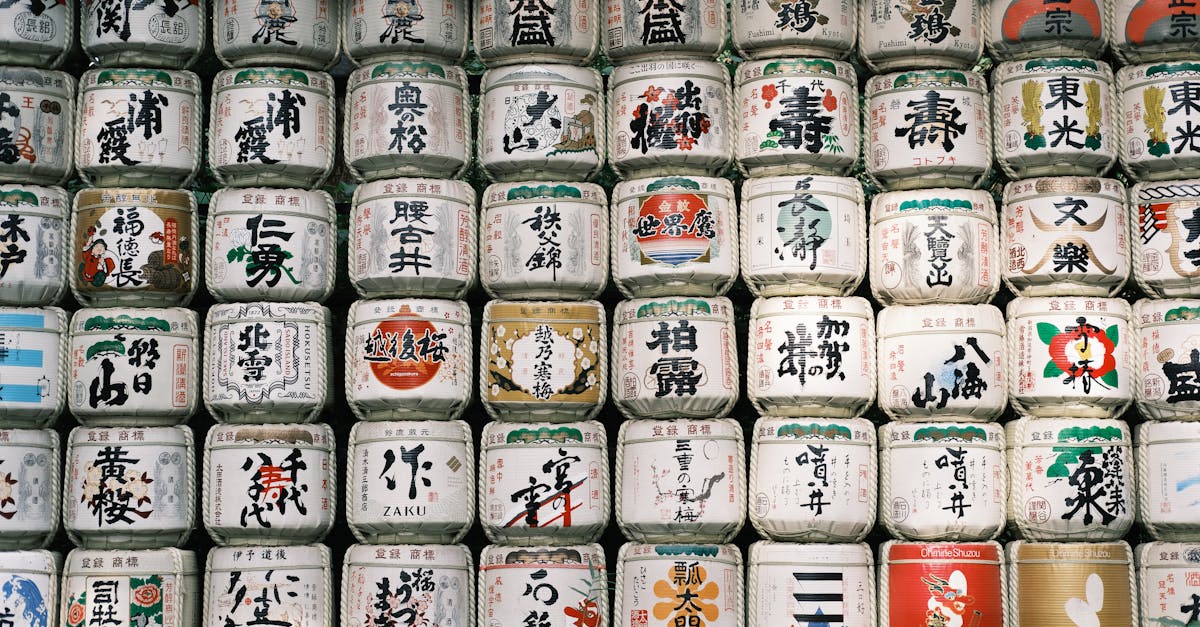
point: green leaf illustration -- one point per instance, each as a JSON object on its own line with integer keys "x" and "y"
{"x": 1051, "y": 370}
{"x": 1046, "y": 332}
{"x": 1110, "y": 378}
{"x": 1111, "y": 332}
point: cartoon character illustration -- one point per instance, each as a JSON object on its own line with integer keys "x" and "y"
{"x": 1085, "y": 613}
{"x": 97, "y": 261}
{"x": 948, "y": 600}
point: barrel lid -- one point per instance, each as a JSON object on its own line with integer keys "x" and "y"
{"x": 973, "y": 434}
{"x": 1067, "y": 306}
{"x": 957, "y": 318}
{"x": 924, "y": 79}
{"x": 153, "y": 561}
{"x": 691, "y": 307}
{"x": 233, "y": 313}
{"x": 365, "y": 432}
{"x": 47, "y": 438}
{"x": 532, "y": 74}
{"x": 1168, "y": 555}
{"x": 1093, "y": 552}
{"x": 294, "y": 558}
{"x": 49, "y": 319}
{"x": 813, "y": 306}
{"x": 456, "y": 556}
{"x": 497, "y": 434}
{"x": 1155, "y": 432}
{"x": 129, "y": 436}
{"x": 1066, "y": 431}
{"x": 442, "y": 310}
{"x": 35, "y": 561}
{"x": 314, "y": 204}
{"x": 766, "y": 552}
{"x": 579, "y": 554}
{"x": 153, "y": 320}
{"x": 311, "y": 436}
{"x": 921, "y": 202}
{"x": 638, "y": 431}
{"x": 856, "y": 430}
{"x": 537, "y": 191}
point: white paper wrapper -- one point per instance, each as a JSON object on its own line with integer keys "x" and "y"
{"x": 638, "y": 30}
{"x": 297, "y": 33}
{"x": 564, "y": 32}
{"x": 1159, "y": 136}
{"x": 372, "y": 33}
{"x": 32, "y": 579}
{"x": 34, "y": 368}
{"x": 1017, "y": 30}
{"x": 42, "y": 40}
{"x": 810, "y": 583}
{"x": 1166, "y": 334}
{"x": 794, "y": 29}
{"x": 909, "y": 36}
{"x": 1163, "y": 258}
{"x": 45, "y": 129}
{"x": 155, "y": 587}
{"x": 1167, "y": 577}
{"x": 170, "y": 35}
{"x": 32, "y": 480}
{"x": 1167, "y": 490}
{"x": 1144, "y": 32}
{"x": 651, "y": 576}
{"x": 291, "y": 584}
{"x": 37, "y": 269}
{"x": 558, "y": 583}
{"x": 438, "y": 581}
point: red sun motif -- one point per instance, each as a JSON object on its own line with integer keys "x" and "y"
{"x": 394, "y": 350}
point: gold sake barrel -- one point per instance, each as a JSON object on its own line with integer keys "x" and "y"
{"x": 298, "y": 33}
{"x": 1071, "y": 584}
{"x": 169, "y": 34}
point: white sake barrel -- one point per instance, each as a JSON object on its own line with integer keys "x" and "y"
{"x": 674, "y": 236}
{"x": 670, "y": 117}
{"x": 803, "y": 235}
{"x": 400, "y": 28}
{"x": 170, "y": 34}
{"x": 37, "y": 118}
{"x": 1074, "y": 583}
{"x": 1054, "y": 117}
{"x": 541, "y": 584}
{"x": 812, "y": 584}
{"x": 639, "y": 30}
{"x": 942, "y": 481}
{"x": 1167, "y": 487}
{"x": 674, "y": 358}
{"x": 133, "y": 246}
{"x": 1070, "y": 356}
{"x": 543, "y": 360}
{"x": 407, "y": 118}
{"x": 30, "y": 580}
{"x": 544, "y": 240}
{"x": 1167, "y": 367}
{"x": 115, "y": 375}
{"x": 942, "y": 583}
{"x": 1144, "y": 32}
{"x": 129, "y": 487}
{"x": 33, "y": 365}
{"x": 437, "y": 579}
{"x": 131, "y": 588}
{"x": 936, "y": 34}
{"x": 272, "y": 126}
{"x": 41, "y": 34}
{"x": 537, "y": 32}
{"x": 1162, "y": 141}
{"x": 33, "y": 264}
{"x": 543, "y": 119}
{"x": 1064, "y": 236}
{"x": 680, "y": 479}
{"x": 408, "y": 359}
{"x": 543, "y": 481}
{"x": 1165, "y": 263}
{"x": 297, "y": 33}
{"x": 652, "y": 579}
{"x": 292, "y": 585}
{"x": 1070, "y": 479}
{"x": 1167, "y": 581}
{"x": 413, "y": 237}
{"x": 270, "y": 244}
{"x": 410, "y": 481}
{"x": 801, "y": 28}
{"x": 960, "y": 376}
{"x": 811, "y": 356}
{"x": 1020, "y": 29}
{"x": 30, "y": 488}
{"x": 797, "y": 116}
{"x": 269, "y": 484}
{"x": 813, "y": 479}
{"x": 139, "y": 127}
{"x": 267, "y": 362}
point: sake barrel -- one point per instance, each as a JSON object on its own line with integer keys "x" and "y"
{"x": 425, "y": 472}
{"x": 37, "y": 34}
{"x": 942, "y": 362}
{"x": 401, "y": 28}
{"x": 646, "y": 29}
{"x": 437, "y": 580}
{"x": 942, "y": 583}
{"x": 942, "y": 481}
{"x": 670, "y": 117}
{"x": 1071, "y": 584}
{"x": 115, "y": 378}
{"x": 547, "y": 119}
{"x": 267, "y": 362}
{"x": 32, "y": 259}
{"x": 31, "y": 579}
{"x": 270, "y": 244}
{"x": 1070, "y": 479}
{"x": 1163, "y": 142}
{"x": 674, "y": 236}
{"x": 413, "y": 237}
{"x": 129, "y": 487}
{"x": 544, "y": 240}
{"x": 299, "y": 33}
{"x": 292, "y": 584}
{"x": 928, "y": 128}
{"x": 1069, "y": 356}
{"x": 1167, "y": 338}
{"x": 1167, "y": 575}
{"x": 813, "y": 479}
{"x": 934, "y": 34}
{"x": 272, "y": 126}
{"x": 680, "y": 479}
{"x": 810, "y": 584}
{"x": 407, "y": 118}
{"x": 1064, "y": 236}
{"x": 811, "y": 356}
{"x": 1054, "y": 117}
{"x": 1167, "y": 488}
{"x": 269, "y": 484}
{"x": 170, "y": 34}
{"x": 31, "y": 488}
{"x": 651, "y": 576}
{"x": 133, "y": 588}
{"x": 1143, "y": 32}
{"x": 408, "y": 359}
{"x": 531, "y": 31}
{"x": 674, "y": 358}
{"x": 133, "y": 246}
{"x": 37, "y": 115}
{"x": 802, "y": 28}
{"x": 1023, "y": 30}
{"x": 803, "y": 235}
{"x": 1164, "y": 260}
{"x": 797, "y": 116}
{"x": 951, "y": 233}
{"x": 543, "y": 481}
{"x": 33, "y": 365}
{"x": 535, "y": 583}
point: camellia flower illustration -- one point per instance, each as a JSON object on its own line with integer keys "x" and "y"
{"x": 686, "y": 597}
{"x": 146, "y": 595}
{"x": 76, "y": 614}
{"x": 1083, "y": 353}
